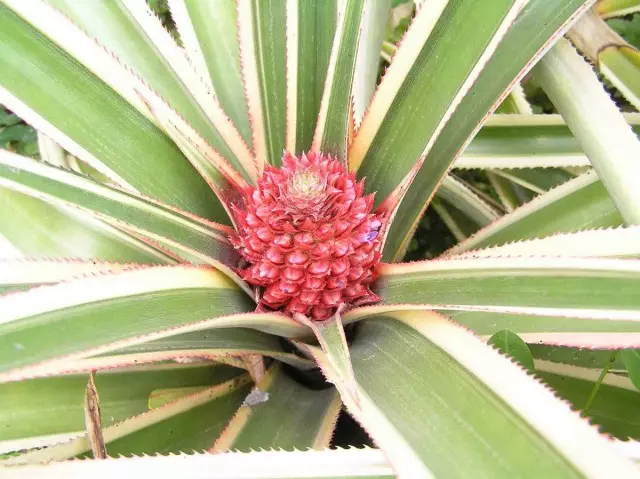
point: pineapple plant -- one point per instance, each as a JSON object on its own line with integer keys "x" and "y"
{"x": 203, "y": 273}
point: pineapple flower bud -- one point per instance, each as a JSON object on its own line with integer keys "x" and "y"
{"x": 309, "y": 237}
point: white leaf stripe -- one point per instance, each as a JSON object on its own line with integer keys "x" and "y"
{"x": 584, "y": 340}
{"x": 540, "y": 202}
{"x": 178, "y": 61}
{"x": 336, "y": 463}
{"x": 530, "y": 161}
{"x": 403, "y": 61}
{"x": 182, "y": 19}
{"x": 31, "y": 117}
{"x": 252, "y": 82}
{"x": 293, "y": 13}
{"x": 572, "y": 436}
{"x": 631, "y": 316}
{"x": 36, "y": 442}
{"x": 129, "y": 426}
{"x": 40, "y": 271}
{"x": 99, "y": 288}
{"x": 612, "y": 242}
{"x": 219, "y": 232}
{"x": 404, "y": 459}
{"x": 118, "y": 361}
{"x": 270, "y": 323}
{"x": 489, "y": 266}
{"x": 586, "y": 374}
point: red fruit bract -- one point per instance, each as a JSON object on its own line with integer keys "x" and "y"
{"x": 309, "y": 237}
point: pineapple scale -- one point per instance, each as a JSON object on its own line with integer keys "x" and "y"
{"x": 309, "y": 237}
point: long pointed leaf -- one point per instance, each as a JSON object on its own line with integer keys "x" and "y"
{"x": 131, "y": 31}
{"x": 530, "y": 35}
{"x": 156, "y": 430}
{"x": 327, "y": 464}
{"x": 310, "y": 31}
{"x": 423, "y": 358}
{"x": 263, "y": 59}
{"x": 527, "y": 141}
{"x": 209, "y": 32}
{"x": 41, "y": 229}
{"x": 582, "y": 203}
{"x": 281, "y": 414}
{"x": 103, "y": 310}
{"x": 59, "y": 96}
{"x": 396, "y": 124}
{"x": 49, "y": 406}
{"x": 605, "y": 136}
{"x": 206, "y": 241}
{"x": 612, "y": 242}
{"x": 332, "y": 131}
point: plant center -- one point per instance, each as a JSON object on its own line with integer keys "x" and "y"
{"x": 310, "y": 238}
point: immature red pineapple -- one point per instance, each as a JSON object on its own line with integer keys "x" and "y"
{"x": 309, "y": 237}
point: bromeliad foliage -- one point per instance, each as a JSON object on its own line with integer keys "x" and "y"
{"x": 227, "y": 201}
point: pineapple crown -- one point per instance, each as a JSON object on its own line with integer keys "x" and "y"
{"x": 309, "y": 237}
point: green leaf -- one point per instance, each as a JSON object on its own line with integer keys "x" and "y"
{"x": 538, "y": 180}
{"x": 541, "y": 300}
{"x": 511, "y": 345}
{"x": 421, "y": 358}
{"x": 336, "y": 109}
{"x": 209, "y": 32}
{"x": 537, "y": 24}
{"x": 47, "y": 406}
{"x": 331, "y": 336}
{"x": 136, "y": 37}
{"x": 6, "y": 118}
{"x": 262, "y": 34}
{"x": 576, "y": 356}
{"x": 519, "y": 282}
{"x": 374, "y": 24}
{"x": 605, "y": 136}
{"x": 413, "y": 103}
{"x": 621, "y": 242}
{"x": 460, "y": 225}
{"x": 171, "y": 428}
{"x": 82, "y": 317}
{"x": 621, "y": 66}
{"x": 579, "y": 204}
{"x": 280, "y": 413}
{"x": 507, "y": 192}
{"x": 17, "y": 133}
{"x": 467, "y": 200}
{"x": 616, "y": 8}
{"x": 631, "y": 358}
{"x": 37, "y": 228}
{"x": 615, "y": 59}
{"x": 217, "y": 344}
{"x": 207, "y": 242}
{"x": 311, "y": 27}
{"x": 616, "y": 407}
{"x": 194, "y": 427}
{"x": 527, "y": 141}
{"x": 89, "y": 119}
{"x": 328, "y": 464}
